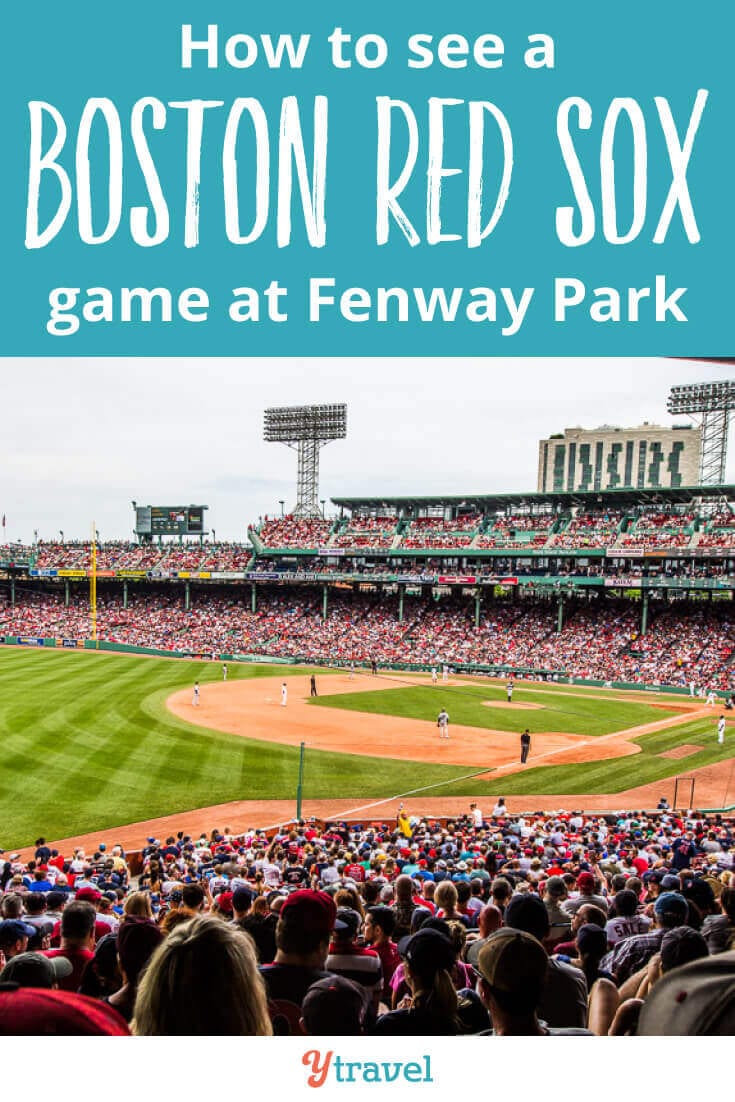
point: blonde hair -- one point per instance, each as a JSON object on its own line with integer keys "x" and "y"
{"x": 138, "y": 905}
{"x": 445, "y": 896}
{"x": 203, "y": 981}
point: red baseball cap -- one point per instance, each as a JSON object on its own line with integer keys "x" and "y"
{"x": 36, "y": 1011}
{"x": 585, "y": 880}
{"x": 224, "y": 902}
{"x": 88, "y": 895}
{"x": 317, "y": 911}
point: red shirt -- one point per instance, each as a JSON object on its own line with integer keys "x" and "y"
{"x": 79, "y": 959}
{"x": 390, "y": 958}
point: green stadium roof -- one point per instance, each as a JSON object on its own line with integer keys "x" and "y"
{"x": 623, "y": 498}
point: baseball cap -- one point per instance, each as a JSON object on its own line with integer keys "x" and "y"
{"x": 585, "y": 880}
{"x": 700, "y": 892}
{"x": 88, "y": 895}
{"x": 681, "y": 946}
{"x": 12, "y": 930}
{"x": 670, "y": 883}
{"x": 316, "y": 911}
{"x": 334, "y": 1006}
{"x": 224, "y": 902}
{"x": 428, "y": 952}
{"x": 696, "y": 999}
{"x": 514, "y": 964}
{"x": 26, "y": 1011}
{"x": 672, "y": 904}
{"x": 137, "y": 940}
{"x": 349, "y": 921}
{"x": 474, "y": 949}
{"x": 35, "y": 970}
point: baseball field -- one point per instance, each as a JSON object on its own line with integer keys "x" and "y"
{"x": 100, "y": 742}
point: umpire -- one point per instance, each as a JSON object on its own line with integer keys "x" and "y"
{"x": 525, "y": 746}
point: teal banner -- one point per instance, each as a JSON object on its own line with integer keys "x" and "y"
{"x": 465, "y": 180}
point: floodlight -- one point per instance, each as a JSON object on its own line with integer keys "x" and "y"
{"x": 710, "y": 403}
{"x": 306, "y": 429}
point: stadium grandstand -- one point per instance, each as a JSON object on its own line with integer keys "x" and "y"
{"x": 633, "y": 586}
{"x": 488, "y": 923}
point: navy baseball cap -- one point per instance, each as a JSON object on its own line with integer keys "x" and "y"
{"x": 12, "y": 929}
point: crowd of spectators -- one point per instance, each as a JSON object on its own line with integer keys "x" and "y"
{"x": 599, "y": 639}
{"x": 458, "y": 532}
{"x": 719, "y": 532}
{"x": 168, "y": 556}
{"x": 290, "y": 531}
{"x": 517, "y": 530}
{"x": 494, "y": 924}
{"x": 593, "y": 530}
{"x": 363, "y": 532}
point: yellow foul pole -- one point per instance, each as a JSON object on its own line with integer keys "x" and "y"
{"x": 93, "y": 585}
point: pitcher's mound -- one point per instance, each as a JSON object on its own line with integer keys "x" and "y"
{"x": 681, "y": 751}
{"x": 519, "y": 706}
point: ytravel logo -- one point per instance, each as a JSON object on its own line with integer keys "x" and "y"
{"x": 330, "y": 1067}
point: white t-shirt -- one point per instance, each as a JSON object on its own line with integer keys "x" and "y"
{"x": 618, "y": 929}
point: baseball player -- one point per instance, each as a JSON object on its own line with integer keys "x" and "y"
{"x": 442, "y": 722}
{"x": 434, "y": 677}
{"x": 721, "y": 730}
{"x": 312, "y": 685}
{"x": 352, "y": 671}
{"x": 711, "y": 698}
{"x": 509, "y": 692}
{"x": 284, "y": 694}
{"x": 224, "y": 671}
{"x": 195, "y": 699}
{"x": 445, "y": 672}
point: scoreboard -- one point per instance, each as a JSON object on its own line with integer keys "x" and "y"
{"x": 169, "y": 520}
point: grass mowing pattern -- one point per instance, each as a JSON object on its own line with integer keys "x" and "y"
{"x": 565, "y": 714}
{"x": 88, "y": 743}
{"x": 645, "y": 768}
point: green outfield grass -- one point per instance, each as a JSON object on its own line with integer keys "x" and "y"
{"x": 86, "y": 743}
{"x": 629, "y": 772}
{"x": 562, "y": 712}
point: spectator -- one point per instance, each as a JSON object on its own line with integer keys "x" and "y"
{"x": 137, "y": 940}
{"x": 35, "y": 970}
{"x": 633, "y": 953}
{"x": 335, "y": 1007}
{"x": 202, "y": 981}
{"x": 513, "y": 969}
{"x": 14, "y": 935}
{"x": 433, "y": 1007}
{"x": 28, "y": 1011}
{"x": 77, "y": 942}
{"x": 303, "y": 933}
{"x": 380, "y": 923}
{"x": 563, "y": 1001}
{"x": 718, "y": 930}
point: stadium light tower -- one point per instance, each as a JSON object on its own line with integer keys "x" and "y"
{"x": 306, "y": 429}
{"x": 709, "y": 404}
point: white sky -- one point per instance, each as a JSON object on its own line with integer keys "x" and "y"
{"x": 80, "y": 439}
